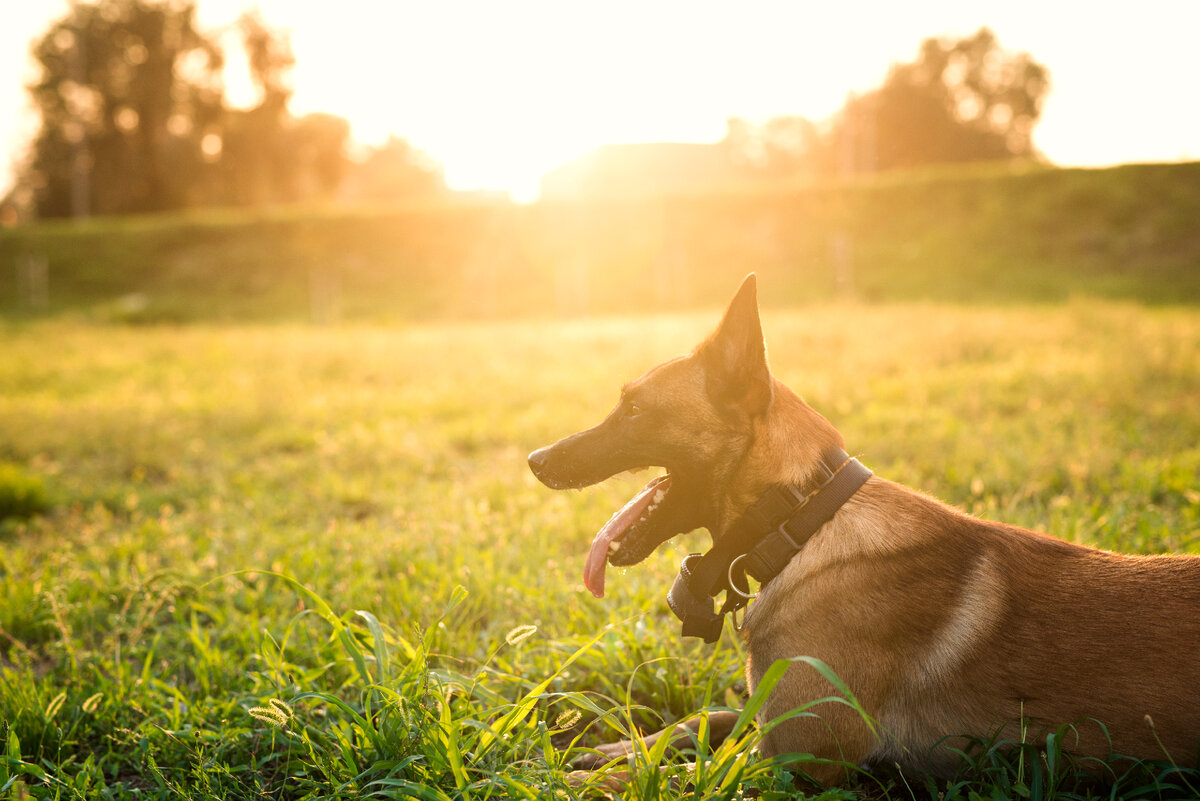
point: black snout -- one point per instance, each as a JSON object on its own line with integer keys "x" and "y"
{"x": 537, "y": 461}
{"x": 556, "y": 467}
{"x": 582, "y": 459}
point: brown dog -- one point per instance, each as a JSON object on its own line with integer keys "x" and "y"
{"x": 940, "y": 623}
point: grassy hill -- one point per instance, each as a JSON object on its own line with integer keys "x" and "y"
{"x": 980, "y": 235}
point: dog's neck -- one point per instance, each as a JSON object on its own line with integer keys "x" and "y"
{"x": 786, "y": 449}
{"x": 760, "y": 543}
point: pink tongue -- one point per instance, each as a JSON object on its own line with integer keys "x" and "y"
{"x": 614, "y": 529}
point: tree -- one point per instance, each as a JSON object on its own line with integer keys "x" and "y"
{"x": 395, "y": 171}
{"x": 127, "y": 89}
{"x": 256, "y": 160}
{"x": 781, "y": 146}
{"x": 134, "y": 117}
{"x": 318, "y": 142}
{"x": 964, "y": 100}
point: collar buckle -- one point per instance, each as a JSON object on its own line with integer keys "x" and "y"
{"x": 767, "y": 558}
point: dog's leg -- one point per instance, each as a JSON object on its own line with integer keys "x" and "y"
{"x": 832, "y": 732}
{"x": 682, "y": 735}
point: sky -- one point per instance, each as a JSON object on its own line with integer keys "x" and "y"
{"x": 500, "y": 92}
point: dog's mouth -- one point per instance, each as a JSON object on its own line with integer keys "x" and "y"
{"x": 632, "y": 533}
{"x": 670, "y": 504}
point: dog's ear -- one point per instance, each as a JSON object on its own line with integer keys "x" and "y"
{"x": 735, "y": 357}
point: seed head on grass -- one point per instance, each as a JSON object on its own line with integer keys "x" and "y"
{"x": 275, "y": 714}
{"x": 54, "y": 705}
{"x": 567, "y": 719}
{"x": 520, "y": 634}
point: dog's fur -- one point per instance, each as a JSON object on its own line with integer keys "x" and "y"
{"x": 942, "y": 624}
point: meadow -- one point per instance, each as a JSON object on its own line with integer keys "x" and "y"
{"x": 288, "y": 561}
{"x": 976, "y": 234}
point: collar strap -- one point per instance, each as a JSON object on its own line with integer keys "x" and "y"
{"x": 760, "y": 543}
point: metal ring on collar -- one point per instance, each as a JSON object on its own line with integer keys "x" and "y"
{"x": 729, "y": 575}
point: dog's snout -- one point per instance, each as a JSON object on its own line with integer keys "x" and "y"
{"x": 537, "y": 461}
{"x": 579, "y": 460}
{"x": 547, "y": 464}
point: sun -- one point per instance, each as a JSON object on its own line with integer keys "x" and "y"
{"x": 498, "y": 103}
{"x": 479, "y": 148}
{"x": 501, "y": 93}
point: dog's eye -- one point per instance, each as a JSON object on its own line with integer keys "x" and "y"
{"x": 632, "y": 409}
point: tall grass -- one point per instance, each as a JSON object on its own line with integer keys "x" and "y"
{"x": 289, "y": 562}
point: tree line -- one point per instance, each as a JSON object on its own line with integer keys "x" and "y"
{"x": 964, "y": 100}
{"x": 135, "y": 118}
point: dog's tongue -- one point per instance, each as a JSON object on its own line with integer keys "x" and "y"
{"x": 614, "y": 529}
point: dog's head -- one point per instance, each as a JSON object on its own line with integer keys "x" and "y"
{"x": 697, "y": 416}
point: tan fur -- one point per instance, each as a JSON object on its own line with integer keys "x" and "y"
{"x": 948, "y": 625}
{"x": 943, "y": 625}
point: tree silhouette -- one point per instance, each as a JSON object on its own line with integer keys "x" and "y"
{"x": 257, "y": 161}
{"x": 126, "y": 92}
{"x": 318, "y": 143}
{"x": 395, "y": 171}
{"x": 961, "y": 100}
{"x": 134, "y": 117}
{"x": 964, "y": 100}
{"x": 780, "y": 146}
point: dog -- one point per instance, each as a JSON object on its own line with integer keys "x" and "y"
{"x": 944, "y": 626}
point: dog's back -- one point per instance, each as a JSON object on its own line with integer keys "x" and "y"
{"x": 944, "y": 624}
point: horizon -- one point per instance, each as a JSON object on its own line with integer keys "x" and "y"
{"x": 499, "y": 95}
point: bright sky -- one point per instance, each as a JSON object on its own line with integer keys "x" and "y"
{"x": 500, "y": 92}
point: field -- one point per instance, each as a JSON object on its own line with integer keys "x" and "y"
{"x": 284, "y": 561}
{"x": 983, "y": 234}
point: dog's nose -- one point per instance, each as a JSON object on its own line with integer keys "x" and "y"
{"x": 537, "y": 461}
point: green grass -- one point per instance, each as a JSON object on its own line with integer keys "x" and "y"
{"x": 293, "y": 562}
{"x": 982, "y": 234}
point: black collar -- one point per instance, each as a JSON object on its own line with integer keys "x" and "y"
{"x": 760, "y": 543}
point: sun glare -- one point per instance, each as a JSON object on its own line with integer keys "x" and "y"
{"x": 500, "y": 93}
{"x": 499, "y": 101}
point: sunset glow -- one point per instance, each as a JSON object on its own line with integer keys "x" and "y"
{"x": 500, "y": 93}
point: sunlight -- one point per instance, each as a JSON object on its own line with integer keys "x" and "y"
{"x": 501, "y": 93}
{"x": 499, "y": 101}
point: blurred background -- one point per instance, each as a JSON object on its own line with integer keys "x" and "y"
{"x": 176, "y": 160}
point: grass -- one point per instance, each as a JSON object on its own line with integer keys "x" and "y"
{"x": 983, "y": 234}
{"x": 293, "y": 562}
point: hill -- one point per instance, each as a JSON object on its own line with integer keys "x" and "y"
{"x": 982, "y": 235}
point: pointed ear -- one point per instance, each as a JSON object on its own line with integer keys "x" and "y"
{"x": 735, "y": 357}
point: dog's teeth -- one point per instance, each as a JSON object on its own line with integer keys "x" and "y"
{"x": 614, "y": 546}
{"x": 654, "y": 502}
